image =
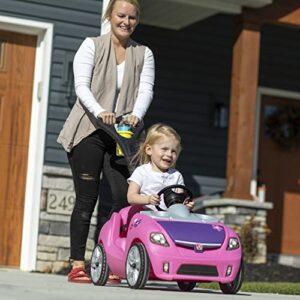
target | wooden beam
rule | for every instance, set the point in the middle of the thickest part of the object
(283, 12)
(293, 18)
(216, 5)
(244, 79)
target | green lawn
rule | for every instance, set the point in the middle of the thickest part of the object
(286, 288)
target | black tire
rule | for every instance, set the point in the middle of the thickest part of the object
(234, 286)
(186, 286)
(99, 267)
(137, 266)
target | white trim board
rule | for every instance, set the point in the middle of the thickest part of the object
(265, 91)
(44, 33)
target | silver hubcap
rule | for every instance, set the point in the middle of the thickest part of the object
(133, 265)
(96, 263)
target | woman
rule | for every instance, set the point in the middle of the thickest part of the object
(114, 76)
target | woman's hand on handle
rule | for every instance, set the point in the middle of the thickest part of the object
(107, 117)
(132, 120)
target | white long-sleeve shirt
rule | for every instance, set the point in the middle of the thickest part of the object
(83, 66)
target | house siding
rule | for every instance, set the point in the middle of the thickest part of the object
(193, 73)
(280, 58)
(73, 21)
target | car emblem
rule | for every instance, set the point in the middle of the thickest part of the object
(135, 223)
(198, 247)
(217, 227)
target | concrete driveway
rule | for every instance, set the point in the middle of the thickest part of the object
(18, 285)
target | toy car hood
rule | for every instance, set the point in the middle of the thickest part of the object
(191, 234)
(189, 229)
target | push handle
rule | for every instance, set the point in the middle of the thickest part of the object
(128, 146)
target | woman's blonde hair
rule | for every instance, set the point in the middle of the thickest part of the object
(155, 132)
(111, 5)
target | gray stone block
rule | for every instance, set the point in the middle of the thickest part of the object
(234, 219)
(44, 227)
(228, 210)
(246, 211)
(59, 228)
(54, 241)
(92, 232)
(46, 256)
(58, 183)
(52, 217)
(63, 254)
(57, 171)
(43, 200)
(47, 249)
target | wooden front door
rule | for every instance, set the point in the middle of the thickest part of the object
(279, 170)
(17, 59)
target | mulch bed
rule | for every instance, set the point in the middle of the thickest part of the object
(271, 272)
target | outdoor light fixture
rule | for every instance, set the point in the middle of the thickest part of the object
(220, 115)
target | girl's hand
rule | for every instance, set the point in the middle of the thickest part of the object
(189, 204)
(153, 199)
(107, 117)
(132, 120)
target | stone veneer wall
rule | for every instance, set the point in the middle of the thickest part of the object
(236, 213)
(57, 202)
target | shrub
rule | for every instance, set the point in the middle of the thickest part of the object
(249, 236)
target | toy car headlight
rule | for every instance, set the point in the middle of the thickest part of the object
(159, 239)
(233, 243)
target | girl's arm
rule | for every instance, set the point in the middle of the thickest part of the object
(134, 196)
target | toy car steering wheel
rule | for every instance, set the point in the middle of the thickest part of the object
(171, 197)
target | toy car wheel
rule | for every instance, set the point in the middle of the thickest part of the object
(186, 286)
(99, 266)
(234, 286)
(137, 266)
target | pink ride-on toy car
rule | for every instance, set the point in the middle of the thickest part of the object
(174, 245)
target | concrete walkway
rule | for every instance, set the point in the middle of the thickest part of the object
(18, 285)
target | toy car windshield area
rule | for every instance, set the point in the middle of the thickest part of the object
(172, 245)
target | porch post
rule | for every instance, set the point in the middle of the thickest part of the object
(244, 81)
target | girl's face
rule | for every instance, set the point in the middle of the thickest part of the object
(163, 153)
(123, 19)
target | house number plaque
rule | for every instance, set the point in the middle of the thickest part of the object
(60, 202)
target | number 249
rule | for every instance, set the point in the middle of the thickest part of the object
(65, 203)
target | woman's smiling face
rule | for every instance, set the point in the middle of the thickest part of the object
(123, 19)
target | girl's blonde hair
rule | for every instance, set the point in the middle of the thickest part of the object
(111, 5)
(155, 132)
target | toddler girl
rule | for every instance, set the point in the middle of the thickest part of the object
(157, 156)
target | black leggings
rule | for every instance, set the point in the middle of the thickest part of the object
(93, 154)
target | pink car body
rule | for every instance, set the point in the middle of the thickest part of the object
(194, 247)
